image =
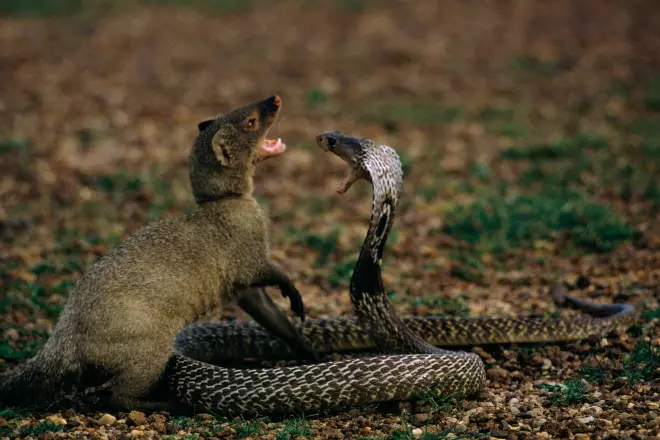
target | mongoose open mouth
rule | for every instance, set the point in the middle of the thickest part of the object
(271, 148)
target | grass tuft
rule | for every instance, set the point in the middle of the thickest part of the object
(499, 225)
(248, 429)
(643, 364)
(41, 428)
(572, 392)
(294, 428)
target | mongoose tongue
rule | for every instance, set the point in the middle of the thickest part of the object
(271, 148)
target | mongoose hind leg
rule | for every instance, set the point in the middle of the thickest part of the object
(134, 385)
(261, 307)
(273, 276)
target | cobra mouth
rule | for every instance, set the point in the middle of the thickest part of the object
(272, 148)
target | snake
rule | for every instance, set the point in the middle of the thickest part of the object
(409, 363)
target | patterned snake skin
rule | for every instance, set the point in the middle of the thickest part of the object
(398, 376)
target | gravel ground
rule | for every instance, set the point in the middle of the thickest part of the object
(504, 114)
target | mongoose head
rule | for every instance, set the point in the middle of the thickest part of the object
(227, 148)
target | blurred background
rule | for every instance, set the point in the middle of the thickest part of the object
(528, 131)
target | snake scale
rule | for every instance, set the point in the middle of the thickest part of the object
(414, 364)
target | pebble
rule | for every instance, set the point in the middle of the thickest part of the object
(363, 422)
(586, 420)
(420, 419)
(56, 419)
(416, 432)
(333, 433)
(547, 364)
(460, 428)
(497, 373)
(107, 419)
(136, 433)
(137, 418)
(11, 334)
(581, 437)
(203, 417)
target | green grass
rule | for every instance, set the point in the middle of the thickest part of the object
(325, 244)
(23, 348)
(532, 64)
(248, 429)
(642, 363)
(341, 272)
(13, 146)
(41, 428)
(572, 392)
(467, 266)
(559, 149)
(650, 313)
(63, 8)
(40, 8)
(496, 224)
(294, 428)
(448, 306)
(315, 97)
(417, 113)
(652, 94)
(596, 374)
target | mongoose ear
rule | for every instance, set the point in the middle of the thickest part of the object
(202, 125)
(220, 151)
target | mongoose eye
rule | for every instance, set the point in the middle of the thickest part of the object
(251, 124)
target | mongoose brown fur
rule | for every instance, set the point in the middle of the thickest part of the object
(123, 314)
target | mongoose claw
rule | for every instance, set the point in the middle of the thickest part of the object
(296, 301)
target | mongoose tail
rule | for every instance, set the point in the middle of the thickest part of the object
(42, 378)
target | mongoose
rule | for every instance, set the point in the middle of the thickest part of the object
(124, 312)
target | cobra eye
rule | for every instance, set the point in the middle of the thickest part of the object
(332, 142)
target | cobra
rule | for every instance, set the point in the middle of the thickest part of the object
(413, 363)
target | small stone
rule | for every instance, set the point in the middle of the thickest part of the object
(581, 437)
(137, 433)
(56, 419)
(460, 428)
(363, 422)
(497, 373)
(514, 409)
(547, 364)
(420, 419)
(542, 435)
(137, 418)
(416, 432)
(509, 427)
(333, 433)
(203, 417)
(11, 334)
(603, 423)
(107, 419)
(586, 420)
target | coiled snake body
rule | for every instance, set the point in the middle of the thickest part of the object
(414, 364)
